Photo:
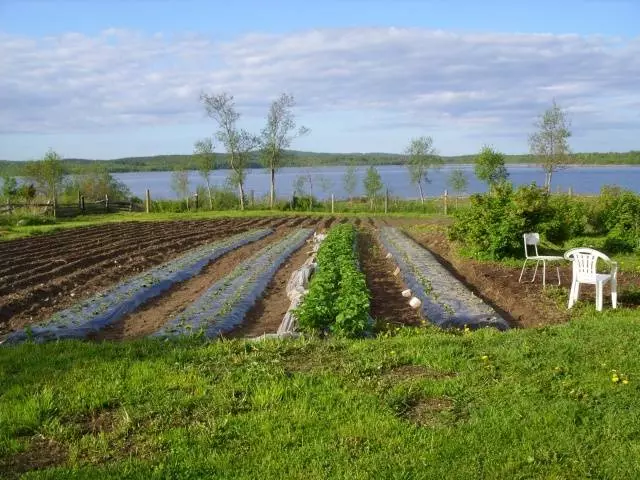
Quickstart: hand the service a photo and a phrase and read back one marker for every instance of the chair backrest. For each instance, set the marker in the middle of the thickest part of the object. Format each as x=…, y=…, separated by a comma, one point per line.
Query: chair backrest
x=531, y=239
x=585, y=262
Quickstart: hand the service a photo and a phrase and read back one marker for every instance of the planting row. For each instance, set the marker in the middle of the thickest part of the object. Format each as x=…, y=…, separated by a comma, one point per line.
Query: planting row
x=338, y=299
x=224, y=305
x=446, y=301
x=109, y=306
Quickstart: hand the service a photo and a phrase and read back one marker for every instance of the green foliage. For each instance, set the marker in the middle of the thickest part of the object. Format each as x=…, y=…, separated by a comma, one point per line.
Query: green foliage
x=350, y=181
x=489, y=166
x=421, y=156
x=48, y=174
x=617, y=214
x=458, y=181
x=338, y=298
x=373, y=184
x=95, y=185
x=493, y=225
x=9, y=187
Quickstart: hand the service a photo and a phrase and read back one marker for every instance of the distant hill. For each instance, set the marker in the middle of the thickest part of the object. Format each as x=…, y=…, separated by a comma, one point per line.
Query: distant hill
x=298, y=158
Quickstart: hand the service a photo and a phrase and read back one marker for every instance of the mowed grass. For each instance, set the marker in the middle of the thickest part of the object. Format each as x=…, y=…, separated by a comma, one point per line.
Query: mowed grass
x=540, y=403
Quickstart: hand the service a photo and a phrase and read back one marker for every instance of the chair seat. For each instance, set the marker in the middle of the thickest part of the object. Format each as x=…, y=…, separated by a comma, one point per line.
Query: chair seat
x=549, y=258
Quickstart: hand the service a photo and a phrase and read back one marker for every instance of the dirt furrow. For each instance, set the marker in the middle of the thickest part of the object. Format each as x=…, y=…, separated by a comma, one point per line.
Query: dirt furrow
x=266, y=315
x=387, y=304
x=101, y=256
x=154, y=314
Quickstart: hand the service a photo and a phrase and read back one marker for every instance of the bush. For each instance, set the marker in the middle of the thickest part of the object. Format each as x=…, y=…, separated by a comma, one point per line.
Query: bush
x=617, y=215
x=493, y=225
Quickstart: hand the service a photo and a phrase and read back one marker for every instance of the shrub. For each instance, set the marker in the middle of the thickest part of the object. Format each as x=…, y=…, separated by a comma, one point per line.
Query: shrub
x=493, y=225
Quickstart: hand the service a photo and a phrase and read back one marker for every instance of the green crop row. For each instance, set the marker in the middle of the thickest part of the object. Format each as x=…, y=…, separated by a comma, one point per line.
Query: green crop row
x=338, y=298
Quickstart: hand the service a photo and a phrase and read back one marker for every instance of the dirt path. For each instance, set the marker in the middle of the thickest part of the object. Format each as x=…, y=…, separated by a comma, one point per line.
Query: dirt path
x=151, y=316
x=387, y=303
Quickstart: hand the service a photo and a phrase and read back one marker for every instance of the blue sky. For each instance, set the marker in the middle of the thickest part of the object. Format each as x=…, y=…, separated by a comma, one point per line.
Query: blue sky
x=106, y=79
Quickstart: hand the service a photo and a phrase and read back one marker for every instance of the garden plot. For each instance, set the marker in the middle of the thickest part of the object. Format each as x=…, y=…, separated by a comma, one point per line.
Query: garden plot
x=224, y=305
x=107, y=307
x=446, y=302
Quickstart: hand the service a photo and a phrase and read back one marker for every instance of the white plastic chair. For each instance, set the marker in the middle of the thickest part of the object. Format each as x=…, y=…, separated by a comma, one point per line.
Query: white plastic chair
x=534, y=239
x=585, y=262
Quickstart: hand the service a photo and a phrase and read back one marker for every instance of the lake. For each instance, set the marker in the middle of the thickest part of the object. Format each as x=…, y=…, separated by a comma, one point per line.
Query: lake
x=328, y=180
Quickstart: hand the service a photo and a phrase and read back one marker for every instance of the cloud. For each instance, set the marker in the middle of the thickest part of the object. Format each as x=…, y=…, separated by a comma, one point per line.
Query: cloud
x=401, y=77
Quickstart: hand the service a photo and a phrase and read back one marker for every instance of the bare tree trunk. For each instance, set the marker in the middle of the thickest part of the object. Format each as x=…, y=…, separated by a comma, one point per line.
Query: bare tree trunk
x=421, y=194
x=241, y=190
x=273, y=188
x=209, y=191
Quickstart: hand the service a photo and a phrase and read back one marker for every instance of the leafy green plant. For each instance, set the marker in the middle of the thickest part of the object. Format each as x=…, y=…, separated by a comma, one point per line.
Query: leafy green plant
x=338, y=299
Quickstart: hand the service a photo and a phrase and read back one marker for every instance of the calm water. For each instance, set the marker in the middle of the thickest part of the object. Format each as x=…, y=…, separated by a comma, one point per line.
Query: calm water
x=328, y=180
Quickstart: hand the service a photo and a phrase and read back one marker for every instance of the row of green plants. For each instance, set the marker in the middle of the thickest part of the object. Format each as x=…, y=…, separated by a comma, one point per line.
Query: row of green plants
x=338, y=299
x=492, y=225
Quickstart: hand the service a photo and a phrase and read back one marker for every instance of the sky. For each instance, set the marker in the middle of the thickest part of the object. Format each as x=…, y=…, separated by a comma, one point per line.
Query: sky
x=108, y=79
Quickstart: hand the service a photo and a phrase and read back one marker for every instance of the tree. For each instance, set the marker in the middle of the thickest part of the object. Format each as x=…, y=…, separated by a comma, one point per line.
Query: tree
x=458, y=182
x=9, y=187
x=238, y=143
x=372, y=184
x=421, y=156
x=206, y=159
x=97, y=183
x=277, y=136
x=489, y=166
x=180, y=184
x=550, y=143
x=350, y=181
x=48, y=174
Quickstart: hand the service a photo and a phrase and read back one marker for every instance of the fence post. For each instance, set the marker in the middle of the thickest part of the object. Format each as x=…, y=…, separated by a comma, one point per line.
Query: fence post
x=570, y=192
x=147, y=200
x=252, y=198
x=196, y=195
x=54, y=207
x=131, y=204
x=446, y=198
x=9, y=206
x=332, y=206
x=82, y=203
x=106, y=202
x=386, y=201
x=79, y=195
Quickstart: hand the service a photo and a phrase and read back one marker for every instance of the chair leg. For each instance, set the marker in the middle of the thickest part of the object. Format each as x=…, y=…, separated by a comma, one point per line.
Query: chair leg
x=522, y=271
x=558, y=272
x=599, y=292
x=535, y=272
x=614, y=293
x=544, y=274
x=572, y=294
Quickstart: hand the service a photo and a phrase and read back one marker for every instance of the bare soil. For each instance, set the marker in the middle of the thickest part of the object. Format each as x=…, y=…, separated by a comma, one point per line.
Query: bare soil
x=151, y=316
x=387, y=303
x=41, y=275
x=40, y=454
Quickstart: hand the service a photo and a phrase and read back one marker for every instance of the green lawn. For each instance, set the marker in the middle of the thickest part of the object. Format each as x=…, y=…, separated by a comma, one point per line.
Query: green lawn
x=540, y=403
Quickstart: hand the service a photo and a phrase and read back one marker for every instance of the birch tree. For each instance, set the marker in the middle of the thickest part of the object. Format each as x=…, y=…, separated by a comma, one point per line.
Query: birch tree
x=203, y=149
x=421, y=156
x=238, y=143
x=549, y=144
x=278, y=135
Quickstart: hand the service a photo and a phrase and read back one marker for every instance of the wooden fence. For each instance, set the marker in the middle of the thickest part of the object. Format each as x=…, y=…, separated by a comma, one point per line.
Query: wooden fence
x=72, y=209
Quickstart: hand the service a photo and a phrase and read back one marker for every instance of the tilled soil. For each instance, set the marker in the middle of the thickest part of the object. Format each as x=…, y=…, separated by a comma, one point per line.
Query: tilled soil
x=387, y=303
x=521, y=304
x=151, y=316
x=41, y=275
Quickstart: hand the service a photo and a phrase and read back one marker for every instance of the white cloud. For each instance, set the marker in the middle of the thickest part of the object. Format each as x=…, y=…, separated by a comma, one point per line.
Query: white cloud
x=407, y=77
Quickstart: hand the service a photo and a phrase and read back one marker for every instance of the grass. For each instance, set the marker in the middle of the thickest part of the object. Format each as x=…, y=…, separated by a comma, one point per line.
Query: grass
x=421, y=404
